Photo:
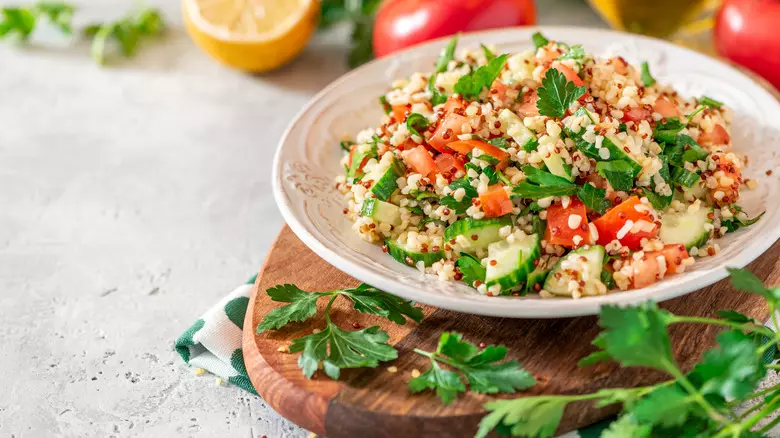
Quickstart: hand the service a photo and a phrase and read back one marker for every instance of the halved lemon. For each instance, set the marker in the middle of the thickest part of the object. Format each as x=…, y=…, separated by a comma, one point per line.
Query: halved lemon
x=251, y=35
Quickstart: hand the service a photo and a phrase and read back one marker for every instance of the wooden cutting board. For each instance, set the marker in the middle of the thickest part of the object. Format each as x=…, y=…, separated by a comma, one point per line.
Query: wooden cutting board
x=377, y=403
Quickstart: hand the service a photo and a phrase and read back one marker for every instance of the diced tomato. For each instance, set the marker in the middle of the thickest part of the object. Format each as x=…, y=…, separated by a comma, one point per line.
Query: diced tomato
x=636, y=114
x=399, y=112
x=558, y=231
x=420, y=161
x=466, y=146
x=613, y=221
x=666, y=108
x=448, y=131
x=448, y=165
x=717, y=136
x=452, y=104
x=495, y=202
x=620, y=65
x=647, y=270
x=528, y=108
x=570, y=74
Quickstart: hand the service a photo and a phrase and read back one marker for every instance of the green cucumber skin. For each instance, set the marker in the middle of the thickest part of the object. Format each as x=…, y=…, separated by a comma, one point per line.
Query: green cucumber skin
x=537, y=276
x=387, y=185
x=520, y=273
x=400, y=255
x=468, y=224
x=373, y=208
x=548, y=283
x=357, y=159
x=369, y=205
x=698, y=242
x=590, y=150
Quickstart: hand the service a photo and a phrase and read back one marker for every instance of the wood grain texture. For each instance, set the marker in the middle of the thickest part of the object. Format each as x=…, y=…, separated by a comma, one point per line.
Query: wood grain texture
x=375, y=402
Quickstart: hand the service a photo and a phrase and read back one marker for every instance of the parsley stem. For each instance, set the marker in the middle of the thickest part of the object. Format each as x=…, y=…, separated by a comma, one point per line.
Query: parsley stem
x=768, y=408
x=741, y=326
x=755, y=395
x=327, y=308
x=672, y=369
x=770, y=426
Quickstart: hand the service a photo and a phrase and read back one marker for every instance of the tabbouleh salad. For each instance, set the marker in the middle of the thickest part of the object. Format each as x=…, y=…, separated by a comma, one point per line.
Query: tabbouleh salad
x=548, y=171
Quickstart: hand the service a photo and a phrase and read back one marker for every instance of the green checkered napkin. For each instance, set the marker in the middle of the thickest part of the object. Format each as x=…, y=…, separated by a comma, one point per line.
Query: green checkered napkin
x=214, y=344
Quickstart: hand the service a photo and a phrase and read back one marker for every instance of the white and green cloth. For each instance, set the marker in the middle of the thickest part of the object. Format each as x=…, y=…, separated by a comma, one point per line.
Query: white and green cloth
x=213, y=343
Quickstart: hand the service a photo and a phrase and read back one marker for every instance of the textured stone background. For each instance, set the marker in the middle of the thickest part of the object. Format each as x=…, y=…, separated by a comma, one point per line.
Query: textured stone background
x=132, y=198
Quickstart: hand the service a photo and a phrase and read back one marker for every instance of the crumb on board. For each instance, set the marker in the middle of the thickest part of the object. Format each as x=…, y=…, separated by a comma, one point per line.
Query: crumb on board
x=199, y=371
x=415, y=373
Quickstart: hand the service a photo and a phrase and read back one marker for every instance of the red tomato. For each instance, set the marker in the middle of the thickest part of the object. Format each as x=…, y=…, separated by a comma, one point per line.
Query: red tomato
x=717, y=136
x=558, y=231
x=452, y=104
x=665, y=108
x=570, y=74
x=495, y=202
x=636, y=114
x=746, y=32
x=399, y=112
x=620, y=65
x=647, y=270
x=528, y=106
x=420, y=161
x=448, y=130
x=613, y=221
x=404, y=23
x=448, y=165
x=466, y=146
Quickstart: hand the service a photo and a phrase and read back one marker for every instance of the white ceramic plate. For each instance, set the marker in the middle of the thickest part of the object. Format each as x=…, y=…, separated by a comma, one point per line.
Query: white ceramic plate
x=307, y=162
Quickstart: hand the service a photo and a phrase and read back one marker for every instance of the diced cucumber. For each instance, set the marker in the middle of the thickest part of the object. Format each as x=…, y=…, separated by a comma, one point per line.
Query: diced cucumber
x=385, y=180
x=478, y=232
x=362, y=154
x=557, y=166
x=405, y=255
x=514, y=261
x=515, y=128
x=537, y=276
x=688, y=228
x=582, y=265
x=616, y=152
x=381, y=211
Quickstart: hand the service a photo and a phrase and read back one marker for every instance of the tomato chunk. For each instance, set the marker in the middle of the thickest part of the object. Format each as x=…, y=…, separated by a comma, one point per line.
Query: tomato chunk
x=666, y=108
x=559, y=221
x=636, y=114
x=528, y=108
x=717, y=136
x=448, y=165
x=453, y=104
x=620, y=65
x=399, y=112
x=647, y=270
x=570, y=74
x=466, y=146
x=495, y=202
x=420, y=161
x=614, y=224
x=448, y=131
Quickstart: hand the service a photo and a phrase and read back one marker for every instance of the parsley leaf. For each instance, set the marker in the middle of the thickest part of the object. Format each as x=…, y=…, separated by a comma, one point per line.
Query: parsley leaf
x=22, y=21
x=619, y=173
x=346, y=145
x=666, y=132
x=576, y=53
x=736, y=223
x=492, y=175
x=545, y=179
x=526, y=190
x=692, y=152
x=127, y=32
x=416, y=122
x=530, y=416
x=732, y=369
x=335, y=348
x=461, y=206
x=626, y=427
x=647, y=78
x=489, y=55
x=744, y=280
x=659, y=202
x=594, y=198
x=710, y=102
x=447, y=54
x=471, y=268
x=386, y=107
x=471, y=85
x=556, y=94
x=368, y=299
x=303, y=306
x=499, y=142
x=539, y=40
x=481, y=368
x=667, y=406
x=734, y=316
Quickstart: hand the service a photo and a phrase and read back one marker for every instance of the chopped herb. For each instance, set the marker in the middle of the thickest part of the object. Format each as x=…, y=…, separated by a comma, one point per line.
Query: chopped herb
x=545, y=179
x=594, y=198
x=471, y=85
x=447, y=54
x=666, y=132
x=499, y=142
x=526, y=190
x=735, y=223
x=606, y=278
x=385, y=104
x=415, y=123
x=576, y=53
x=489, y=55
x=346, y=145
x=699, y=109
x=460, y=207
x=539, y=40
x=531, y=207
x=492, y=175
x=622, y=127
x=659, y=202
x=503, y=178
x=647, y=78
x=556, y=94
x=692, y=152
x=684, y=177
x=127, y=32
x=538, y=225
x=619, y=173
x=485, y=370
x=471, y=268
x=710, y=102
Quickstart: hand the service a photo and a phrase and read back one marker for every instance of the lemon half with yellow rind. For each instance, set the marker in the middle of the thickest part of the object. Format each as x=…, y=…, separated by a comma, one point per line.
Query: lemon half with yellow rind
x=251, y=35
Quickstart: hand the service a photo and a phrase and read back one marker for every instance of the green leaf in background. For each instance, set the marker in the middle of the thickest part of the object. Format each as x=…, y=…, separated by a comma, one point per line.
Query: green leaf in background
x=22, y=21
x=668, y=406
x=127, y=33
x=471, y=85
x=746, y=281
x=360, y=14
x=732, y=369
x=636, y=336
x=489, y=55
x=17, y=21
x=647, y=78
x=556, y=94
x=619, y=173
x=539, y=40
x=531, y=417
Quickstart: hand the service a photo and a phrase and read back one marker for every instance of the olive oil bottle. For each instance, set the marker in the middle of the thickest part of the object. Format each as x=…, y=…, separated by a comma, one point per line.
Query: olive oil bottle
x=658, y=18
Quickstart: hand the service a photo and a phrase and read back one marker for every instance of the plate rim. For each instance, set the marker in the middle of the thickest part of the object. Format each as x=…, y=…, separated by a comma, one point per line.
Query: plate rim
x=494, y=306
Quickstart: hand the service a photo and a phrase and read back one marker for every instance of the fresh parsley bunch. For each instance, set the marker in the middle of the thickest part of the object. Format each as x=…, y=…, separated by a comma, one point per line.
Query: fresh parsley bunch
x=360, y=13
x=700, y=403
x=333, y=348
x=22, y=21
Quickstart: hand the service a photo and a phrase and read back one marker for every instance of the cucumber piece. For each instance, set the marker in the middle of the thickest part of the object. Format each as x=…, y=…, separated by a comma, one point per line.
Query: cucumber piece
x=514, y=261
x=686, y=228
x=537, y=276
x=362, y=154
x=485, y=230
x=404, y=255
x=381, y=211
x=585, y=264
x=515, y=128
x=557, y=166
x=385, y=179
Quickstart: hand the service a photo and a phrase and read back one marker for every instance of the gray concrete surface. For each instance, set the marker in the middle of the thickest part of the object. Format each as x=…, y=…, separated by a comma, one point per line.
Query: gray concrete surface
x=132, y=198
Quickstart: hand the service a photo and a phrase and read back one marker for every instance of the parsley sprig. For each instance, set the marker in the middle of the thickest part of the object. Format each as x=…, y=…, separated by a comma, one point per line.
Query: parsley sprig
x=22, y=21
x=702, y=402
x=557, y=94
x=471, y=85
x=128, y=32
x=333, y=348
x=483, y=369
